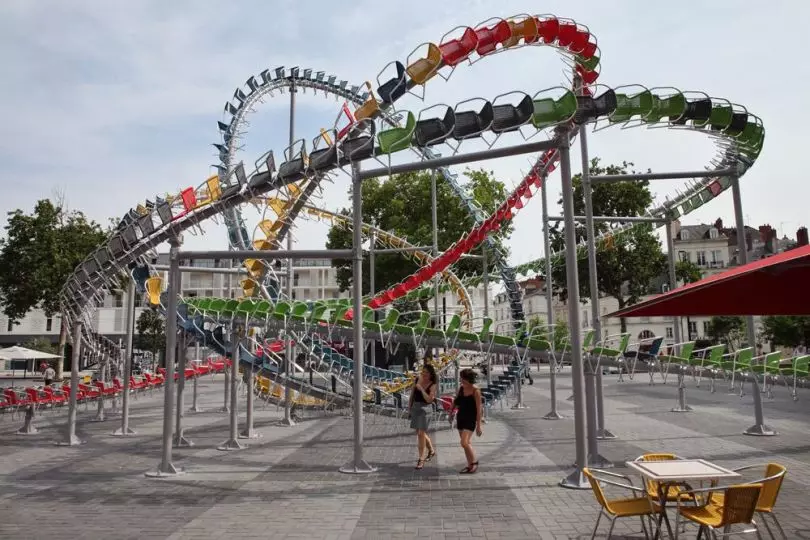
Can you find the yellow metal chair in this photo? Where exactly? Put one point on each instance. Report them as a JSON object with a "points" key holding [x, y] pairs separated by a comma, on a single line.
{"points": [[369, 108], [674, 493], [771, 485], [423, 69], [154, 287], [736, 507], [639, 506]]}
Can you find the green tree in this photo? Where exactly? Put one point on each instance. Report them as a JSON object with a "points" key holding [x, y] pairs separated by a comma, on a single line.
{"points": [[151, 332], [40, 344], [787, 330], [402, 204], [628, 262], [724, 329], [37, 256], [687, 272]]}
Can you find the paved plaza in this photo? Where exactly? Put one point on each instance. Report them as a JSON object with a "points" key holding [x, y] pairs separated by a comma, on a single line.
{"points": [[287, 484]]}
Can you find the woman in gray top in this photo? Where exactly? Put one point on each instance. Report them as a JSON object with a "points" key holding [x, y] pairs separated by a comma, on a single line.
{"points": [[422, 397]]}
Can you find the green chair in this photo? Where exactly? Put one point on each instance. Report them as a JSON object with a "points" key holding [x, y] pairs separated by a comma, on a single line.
{"points": [[399, 138], [228, 311], [246, 308], [263, 310], [629, 106], [768, 366], [589, 64], [550, 111], [413, 328], [709, 359], [679, 359], [798, 370], [281, 311], [671, 107], [298, 311], [740, 363], [721, 115]]}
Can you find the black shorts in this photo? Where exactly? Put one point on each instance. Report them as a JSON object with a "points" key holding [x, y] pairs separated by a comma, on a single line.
{"points": [[48, 382], [465, 423]]}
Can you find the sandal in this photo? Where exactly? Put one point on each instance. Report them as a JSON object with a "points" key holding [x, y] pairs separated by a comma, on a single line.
{"points": [[473, 468], [430, 455], [420, 464], [465, 470]]}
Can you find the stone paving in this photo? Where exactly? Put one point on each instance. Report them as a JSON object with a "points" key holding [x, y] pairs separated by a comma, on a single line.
{"points": [[287, 485]]}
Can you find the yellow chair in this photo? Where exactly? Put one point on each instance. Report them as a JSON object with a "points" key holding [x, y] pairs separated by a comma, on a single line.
{"points": [[277, 205], [771, 485], [639, 506], [254, 267], [266, 225], [214, 188], [369, 108], [674, 493], [424, 69], [249, 287], [262, 244], [154, 287], [735, 507]]}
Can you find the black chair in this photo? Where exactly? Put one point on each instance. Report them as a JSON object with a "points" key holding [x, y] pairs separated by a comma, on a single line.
{"points": [[698, 110], [434, 130], [589, 107], [508, 117], [394, 88], [471, 124]]}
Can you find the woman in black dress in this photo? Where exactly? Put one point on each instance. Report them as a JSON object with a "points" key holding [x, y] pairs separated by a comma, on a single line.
{"points": [[468, 417]]}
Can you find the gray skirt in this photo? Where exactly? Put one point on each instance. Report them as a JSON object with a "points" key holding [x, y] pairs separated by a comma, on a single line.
{"points": [[419, 416]]}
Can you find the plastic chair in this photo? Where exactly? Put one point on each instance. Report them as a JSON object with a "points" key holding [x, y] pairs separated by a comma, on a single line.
{"points": [[736, 506], [398, 138], [638, 505], [552, 111]]}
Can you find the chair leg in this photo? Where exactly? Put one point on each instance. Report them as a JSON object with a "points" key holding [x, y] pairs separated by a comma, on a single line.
{"points": [[644, 527], [765, 522], [610, 530], [596, 525], [778, 525]]}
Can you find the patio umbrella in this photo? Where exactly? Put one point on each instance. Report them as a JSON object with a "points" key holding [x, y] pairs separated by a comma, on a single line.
{"points": [[21, 353]]}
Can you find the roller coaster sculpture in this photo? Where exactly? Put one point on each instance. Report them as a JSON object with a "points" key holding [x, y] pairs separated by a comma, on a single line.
{"points": [[375, 129]]}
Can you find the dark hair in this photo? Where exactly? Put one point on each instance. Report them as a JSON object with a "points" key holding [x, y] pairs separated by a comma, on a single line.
{"points": [[431, 371], [469, 375]]}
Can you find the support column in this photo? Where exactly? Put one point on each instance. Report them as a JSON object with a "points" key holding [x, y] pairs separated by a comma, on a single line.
{"points": [[289, 351], [759, 428], [552, 364], [125, 430], [72, 439], [357, 465], [226, 384], [166, 467], [233, 439], [676, 321], [598, 431], [103, 363], [180, 439], [372, 244], [576, 479], [485, 265], [195, 408], [249, 432], [434, 217]]}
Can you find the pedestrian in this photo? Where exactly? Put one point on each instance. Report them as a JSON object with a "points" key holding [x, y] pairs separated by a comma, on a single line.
{"points": [[422, 397], [49, 375], [468, 417]]}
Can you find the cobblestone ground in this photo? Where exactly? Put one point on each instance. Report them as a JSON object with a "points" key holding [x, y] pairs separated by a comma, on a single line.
{"points": [[287, 485]]}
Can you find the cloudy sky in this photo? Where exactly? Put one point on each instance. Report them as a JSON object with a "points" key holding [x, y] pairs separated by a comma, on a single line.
{"points": [[114, 102]]}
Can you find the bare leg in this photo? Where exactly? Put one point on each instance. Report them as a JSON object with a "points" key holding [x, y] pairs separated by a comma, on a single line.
{"points": [[466, 445], [420, 437], [429, 443]]}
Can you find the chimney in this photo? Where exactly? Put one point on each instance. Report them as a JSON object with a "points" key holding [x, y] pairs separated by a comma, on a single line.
{"points": [[718, 224], [767, 236], [801, 236]]}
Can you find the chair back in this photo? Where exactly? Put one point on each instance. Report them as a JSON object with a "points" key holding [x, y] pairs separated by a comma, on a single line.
{"points": [[739, 504], [771, 484], [597, 489], [652, 485]]}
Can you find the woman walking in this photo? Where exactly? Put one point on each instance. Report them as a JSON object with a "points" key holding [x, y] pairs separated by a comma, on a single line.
{"points": [[468, 417], [422, 397]]}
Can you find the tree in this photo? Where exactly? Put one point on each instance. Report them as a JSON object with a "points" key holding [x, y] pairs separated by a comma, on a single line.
{"points": [[687, 272], [787, 331], [38, 255], [151, 332], [728, 330], [627, 263], [40, 344], [402, 204]]}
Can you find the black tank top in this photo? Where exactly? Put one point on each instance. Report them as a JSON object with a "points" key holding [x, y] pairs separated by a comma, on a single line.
{"points": [[418, 397], [466, 405]]}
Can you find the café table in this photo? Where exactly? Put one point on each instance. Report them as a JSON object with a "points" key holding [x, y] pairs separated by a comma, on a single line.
{"points": [[678, 472]]}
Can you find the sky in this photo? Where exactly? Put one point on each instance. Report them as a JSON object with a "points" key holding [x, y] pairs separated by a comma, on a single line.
{"points": [[112, 103]]}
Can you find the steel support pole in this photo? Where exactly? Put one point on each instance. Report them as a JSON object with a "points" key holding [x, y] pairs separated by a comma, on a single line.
{"points": [[71, 439], [434, 217], [233, 438], [249, 432], [103, 363], [125, 430], [226, 388], [288, 351], [759, 428], [166, 467], [576, 479], [552, 363], [357, 465], [485, 265], [180, 439], [676, 321], [195, 407], [598, 431], [371, 287]]}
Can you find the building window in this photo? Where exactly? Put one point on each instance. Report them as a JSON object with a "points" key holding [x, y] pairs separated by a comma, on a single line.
{"points": [[295, 279], [646, 334], [684, 255], [10, 326], [692, 329], [119, 300], [714, 233], [701, 258], [669, 332], [48, 324], [705, 328], [684, 235]]}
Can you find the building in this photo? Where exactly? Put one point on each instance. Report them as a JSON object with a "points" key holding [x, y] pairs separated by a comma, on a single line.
{"points": [[312, 279]]}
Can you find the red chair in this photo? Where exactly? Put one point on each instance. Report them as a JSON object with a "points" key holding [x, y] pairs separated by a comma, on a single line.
{"points": [[490, 37], [548, 29], [89, 392], [16, 400], [56, 397], [105, 390], [588, 77], [37, 397], [137, 385], [456, 51]]}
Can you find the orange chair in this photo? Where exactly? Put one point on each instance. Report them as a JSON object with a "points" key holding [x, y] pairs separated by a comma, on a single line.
{"points": [[736, 507], [771, 484], [639, 506], [674, 493]]}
